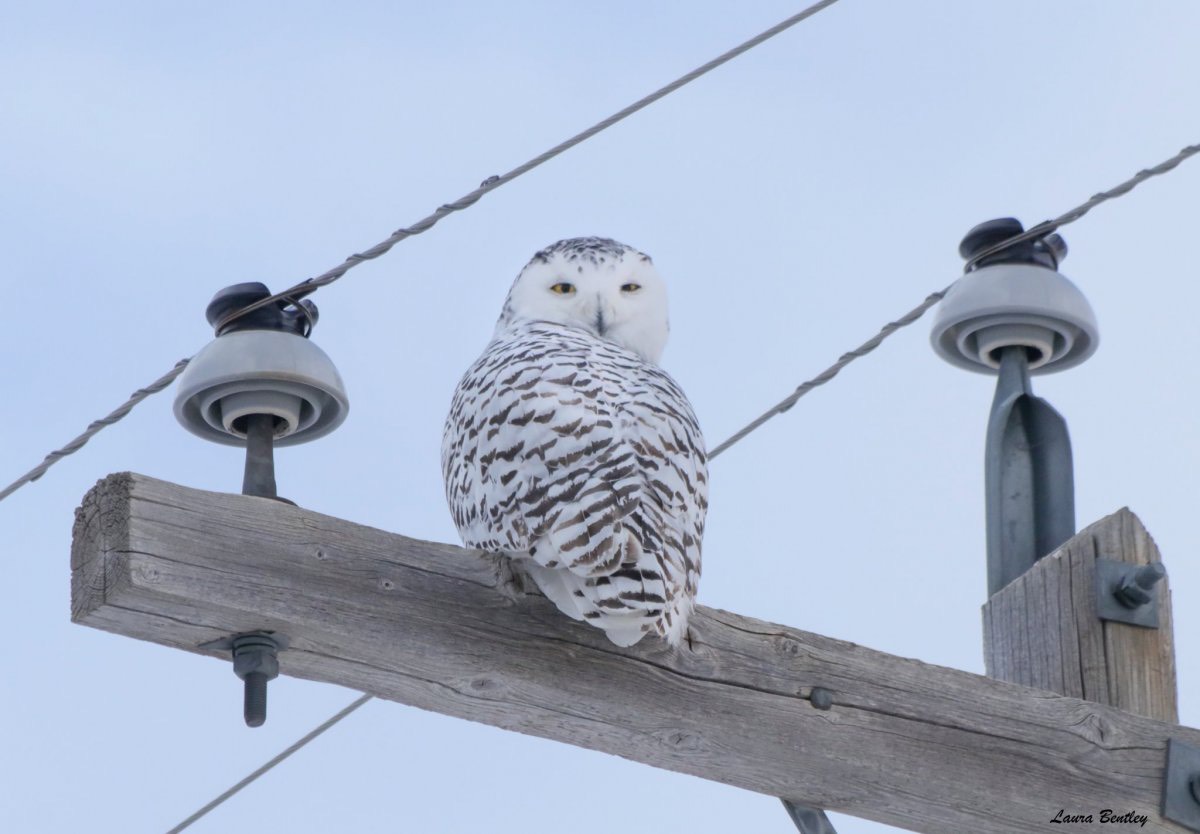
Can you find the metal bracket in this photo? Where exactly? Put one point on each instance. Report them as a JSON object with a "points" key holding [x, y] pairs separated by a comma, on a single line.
{"points": [[1028, 480], [808, 820], [1181, 785], [1125, 592]]}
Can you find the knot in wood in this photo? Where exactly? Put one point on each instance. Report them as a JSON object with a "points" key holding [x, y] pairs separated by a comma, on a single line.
{"points": [[146, 575], [681, 740], [787, 646], [1094, 728], [484, 684]]}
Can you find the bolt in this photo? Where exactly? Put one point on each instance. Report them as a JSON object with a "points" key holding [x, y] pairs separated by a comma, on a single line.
{"points": [[255, 661], [1136, 590], [1194, 785], [820, 698]]}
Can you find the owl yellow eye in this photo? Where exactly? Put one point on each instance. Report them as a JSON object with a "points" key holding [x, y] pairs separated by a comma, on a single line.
{"points": [[563, 288], [630, 287]]}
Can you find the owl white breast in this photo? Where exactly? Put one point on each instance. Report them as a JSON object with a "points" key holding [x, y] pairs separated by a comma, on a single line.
{"points": [[570, 449]]}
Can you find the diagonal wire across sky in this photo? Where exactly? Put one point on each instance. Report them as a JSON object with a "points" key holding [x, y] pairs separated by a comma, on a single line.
{"points": [[311, 285]]}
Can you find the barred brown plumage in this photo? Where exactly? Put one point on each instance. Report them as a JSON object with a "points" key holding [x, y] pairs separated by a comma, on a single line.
{"points": [[568, 447]]}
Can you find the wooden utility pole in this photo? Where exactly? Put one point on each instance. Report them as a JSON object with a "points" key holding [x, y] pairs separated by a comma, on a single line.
{"points": [[1062, 626], [1044, 629], [752, 704]]}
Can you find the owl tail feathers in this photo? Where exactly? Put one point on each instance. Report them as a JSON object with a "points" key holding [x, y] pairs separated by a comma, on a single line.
{"points": [[624, 631], [558, 586], [595, 603]]}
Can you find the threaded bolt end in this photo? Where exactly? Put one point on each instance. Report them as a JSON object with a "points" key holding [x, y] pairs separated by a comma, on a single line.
{"points": [[255, 703], [255, 661]]}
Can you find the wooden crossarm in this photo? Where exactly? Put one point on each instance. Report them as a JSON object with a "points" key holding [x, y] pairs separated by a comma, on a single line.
{"points": [[445, 629]]}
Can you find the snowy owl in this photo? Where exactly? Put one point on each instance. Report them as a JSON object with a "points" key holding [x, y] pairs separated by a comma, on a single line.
{"points": [[568, 448]]}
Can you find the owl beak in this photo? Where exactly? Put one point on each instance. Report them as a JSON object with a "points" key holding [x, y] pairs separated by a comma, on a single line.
{"points": [[603, 317]]}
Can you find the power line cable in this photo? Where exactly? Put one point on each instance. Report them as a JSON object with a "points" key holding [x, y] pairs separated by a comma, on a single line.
{"points": [[1070, 216], [1040, 230], [311, 285], [491, 183], [833, 370], [95, 427], [783, 405]]}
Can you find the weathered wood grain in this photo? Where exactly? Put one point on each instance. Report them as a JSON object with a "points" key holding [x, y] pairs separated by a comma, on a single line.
{"points": [[1042, 629], [906, 743]]}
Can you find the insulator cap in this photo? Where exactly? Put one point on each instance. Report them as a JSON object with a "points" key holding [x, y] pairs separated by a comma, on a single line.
{"points": [[298, 318], [1048, 250], [261, 363], [1014, 298]]}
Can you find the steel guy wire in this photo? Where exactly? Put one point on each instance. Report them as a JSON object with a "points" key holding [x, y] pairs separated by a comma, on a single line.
{"points": [[300, 742], [294, 293], [779, 408]]}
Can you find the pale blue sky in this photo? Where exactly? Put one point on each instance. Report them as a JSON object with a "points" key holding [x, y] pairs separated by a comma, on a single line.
{"points": [[794, 200]]}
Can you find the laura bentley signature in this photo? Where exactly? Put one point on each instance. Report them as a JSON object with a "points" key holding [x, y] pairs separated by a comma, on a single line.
{"points": [[1105, 815]]}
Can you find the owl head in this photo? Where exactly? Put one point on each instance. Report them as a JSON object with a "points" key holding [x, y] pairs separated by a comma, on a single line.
{"points": [[596, 285]]}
